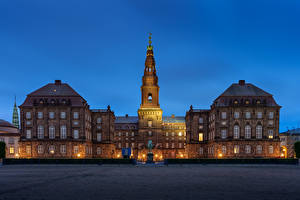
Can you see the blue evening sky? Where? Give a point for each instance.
(200, 47)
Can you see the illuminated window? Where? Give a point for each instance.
(223, 115)
(167, 145)
(173, 134)
(51, 132)
(51, 115)
(236, 132)
(167, 134)
(63, 148)
(62, 115)
(149, 123)
(150, 133)
(40, 149)
(248, 149)
(76, 115)
(223, 133)
(40, 132)
(258, 149)
(258, 131)
(40, 115)
(11, 150)
(236, 149)
(99, 120)
(150, 97)
(270, 134)
(247, 131)
(76, 134)
(200, 137)
(99, 137)
(28, 115)
(223, 150)
(98, 150)
(236, 115)
(180, 134)
(28, 134)
(28, 149)
(259, 115)
(51, 149)
(271, 150)
(271, 115)
(200, 120)
(63, 132)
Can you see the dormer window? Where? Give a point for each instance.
(247, 102)
(150, 97)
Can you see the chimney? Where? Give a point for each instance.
(173, 116)
(126, 115)
(57, 82)
(241, 82)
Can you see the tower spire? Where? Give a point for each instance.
(15, 119)
(150, 47)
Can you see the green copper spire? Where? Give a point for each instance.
(15, 120)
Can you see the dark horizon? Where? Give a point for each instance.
(200, 49)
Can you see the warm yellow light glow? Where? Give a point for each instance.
(282, 154)
(156, 155)
(181, 155)
(17, 155)
(52, 151)
(220, 155)
(270, 136)
(144, 155)
(200, 137)
(78, 155)
(283, 150)
(118, 156)
(160, 157)
(179, 134)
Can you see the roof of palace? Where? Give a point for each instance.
(55, 91)
(295, 131)
(245, 91)
(8, 129)
(173, 119)
(126, 119)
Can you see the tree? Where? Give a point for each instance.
(2, 150)
(297, 149)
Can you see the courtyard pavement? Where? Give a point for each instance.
(166, 182)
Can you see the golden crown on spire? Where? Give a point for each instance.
(150, 42)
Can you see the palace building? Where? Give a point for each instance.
(56, 122)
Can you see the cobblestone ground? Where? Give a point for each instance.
(131, 182)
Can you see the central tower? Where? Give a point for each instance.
(150, 113)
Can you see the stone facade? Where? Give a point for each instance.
(287, 141)
(57, 122)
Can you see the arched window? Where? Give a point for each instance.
(51, 132)
(258, 149)
(150, 97)
(259, 131)
(40, 132)
(248, 149)
(247, 131)
(236, 132)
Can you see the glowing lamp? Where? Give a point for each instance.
(78, 155)
(220, 155)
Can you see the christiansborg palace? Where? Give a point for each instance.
(56, 122)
